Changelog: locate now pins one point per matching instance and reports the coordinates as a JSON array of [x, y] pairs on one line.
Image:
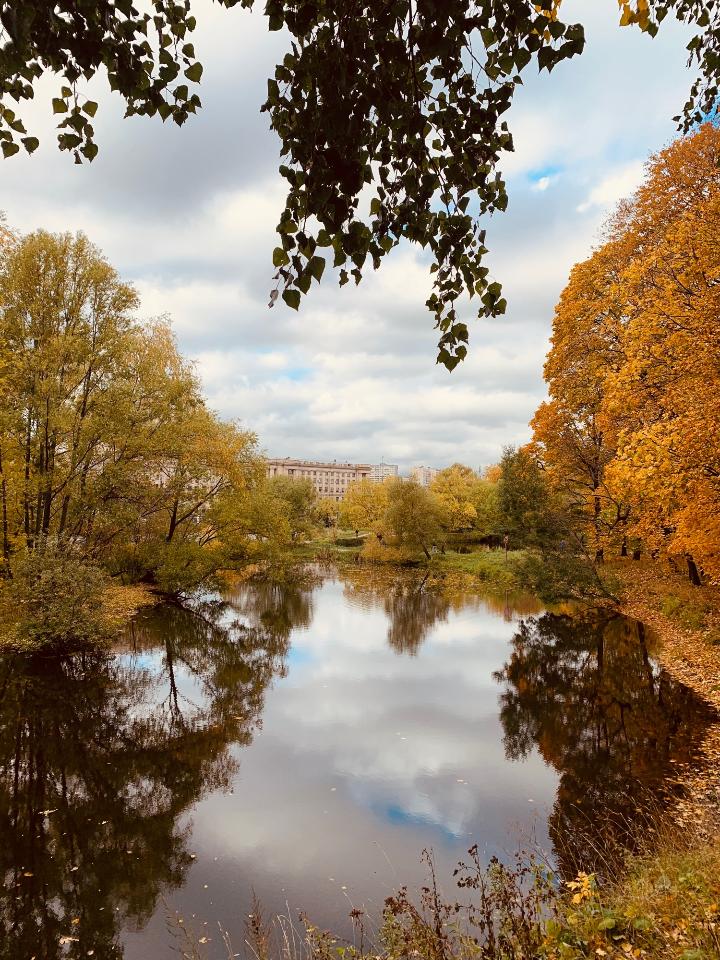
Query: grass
[[488, 566], [663, 907], [667, 906]]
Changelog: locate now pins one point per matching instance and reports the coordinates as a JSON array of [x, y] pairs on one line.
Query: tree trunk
[[693, 572], [64, 514], [636, 553], [599, 555], [173, 523], [26, 492], [3, 494], [623, 548]]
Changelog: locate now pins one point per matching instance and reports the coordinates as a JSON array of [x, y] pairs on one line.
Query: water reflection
[[280, 606], [100, 756], [416, 601], [412, 602], [586, 693], [366, 757]]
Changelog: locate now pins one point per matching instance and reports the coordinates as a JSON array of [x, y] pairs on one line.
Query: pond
[[305, 741]]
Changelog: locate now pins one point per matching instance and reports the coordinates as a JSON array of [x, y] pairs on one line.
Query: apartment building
[[329, 479], [423, 475], [383, 471]]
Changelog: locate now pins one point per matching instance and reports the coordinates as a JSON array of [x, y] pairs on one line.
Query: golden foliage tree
[[632, 427], [106, 445]]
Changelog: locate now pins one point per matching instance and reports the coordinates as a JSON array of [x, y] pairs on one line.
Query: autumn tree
[[630, 433], [327, 511], [108, 449], [669, 385], [363, 505], [404, 101], [574, 434], [454, 487]]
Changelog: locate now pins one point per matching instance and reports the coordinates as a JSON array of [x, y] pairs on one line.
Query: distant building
[[383, 471], [423, 475], [329, 479]]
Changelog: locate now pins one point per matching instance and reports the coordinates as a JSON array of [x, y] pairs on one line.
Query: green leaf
[[194, 72], [9, 148], [292, 298], [59, 105], [607, 924], [31, 144], [90, 108], [279, 257], [317, 267]]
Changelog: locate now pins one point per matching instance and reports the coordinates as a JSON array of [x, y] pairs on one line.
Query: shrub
[[53, 600]]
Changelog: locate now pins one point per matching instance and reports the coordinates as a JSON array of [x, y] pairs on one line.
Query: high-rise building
[[329, 479], [383, 471], [423, 475]]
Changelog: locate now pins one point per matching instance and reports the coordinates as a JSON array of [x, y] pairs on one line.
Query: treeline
[[109, 457], [629, 440], [460, 507]]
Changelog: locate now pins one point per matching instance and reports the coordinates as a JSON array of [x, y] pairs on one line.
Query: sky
[[188, 216]]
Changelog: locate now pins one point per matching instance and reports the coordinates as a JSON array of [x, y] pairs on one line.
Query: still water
[[306, 741]]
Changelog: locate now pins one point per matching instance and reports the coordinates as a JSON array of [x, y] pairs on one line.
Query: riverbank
[[685, 621], [684, 618], [115, 605]]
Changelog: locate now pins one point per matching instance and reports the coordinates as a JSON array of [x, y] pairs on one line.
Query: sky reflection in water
[[308, 741]]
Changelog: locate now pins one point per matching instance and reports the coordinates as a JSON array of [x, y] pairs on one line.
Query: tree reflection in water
[[585, 691], [277, 605], [100, 756], [413, 601]]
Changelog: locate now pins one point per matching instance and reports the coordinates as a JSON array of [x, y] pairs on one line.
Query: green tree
[[413, 517], [297, 499], [524, 499], [406, 98]]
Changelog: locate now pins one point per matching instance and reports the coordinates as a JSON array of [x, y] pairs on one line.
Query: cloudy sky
[[188, 215]]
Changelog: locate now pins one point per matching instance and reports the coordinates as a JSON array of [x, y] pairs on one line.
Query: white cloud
[[614, 187], [189, 216]]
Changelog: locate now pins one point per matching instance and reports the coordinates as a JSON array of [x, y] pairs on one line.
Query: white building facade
[[423, 475], [383, 471], [329, 479]]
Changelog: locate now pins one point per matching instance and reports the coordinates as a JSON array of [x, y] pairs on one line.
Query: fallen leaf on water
[[69, 940]]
